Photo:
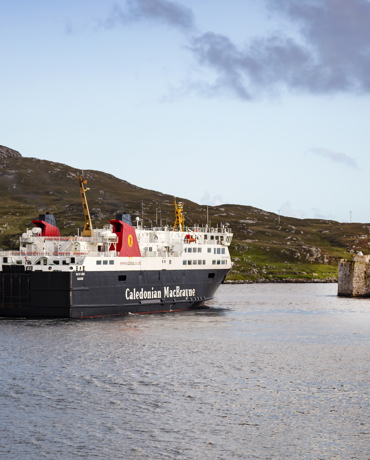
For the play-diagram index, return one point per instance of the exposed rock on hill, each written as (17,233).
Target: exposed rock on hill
(6,152)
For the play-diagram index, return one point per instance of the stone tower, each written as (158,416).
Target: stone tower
(354,277)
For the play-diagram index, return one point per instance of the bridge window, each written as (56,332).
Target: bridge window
(98,262)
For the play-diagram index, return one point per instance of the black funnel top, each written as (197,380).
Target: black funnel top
(48,218)
(124,217)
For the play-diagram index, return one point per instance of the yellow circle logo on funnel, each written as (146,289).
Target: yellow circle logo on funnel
(130,241)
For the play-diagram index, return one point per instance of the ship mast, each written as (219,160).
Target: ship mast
(88,230)
(180,218)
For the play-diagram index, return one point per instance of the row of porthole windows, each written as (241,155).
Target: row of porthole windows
(215,250)
(193,262)
(105,262)
(218,262)
(214,237)
(203,262)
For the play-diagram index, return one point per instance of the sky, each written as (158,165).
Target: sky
(255,102)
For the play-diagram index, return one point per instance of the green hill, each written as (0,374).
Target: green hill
(265,247)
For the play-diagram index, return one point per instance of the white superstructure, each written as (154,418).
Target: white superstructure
(160,248)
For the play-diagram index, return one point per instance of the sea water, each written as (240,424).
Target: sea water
(269,372)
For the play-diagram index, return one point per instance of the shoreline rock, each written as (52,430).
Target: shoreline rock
(282,281)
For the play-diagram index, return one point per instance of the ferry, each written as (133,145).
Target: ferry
(122,268)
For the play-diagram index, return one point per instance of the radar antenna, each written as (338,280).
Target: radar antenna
(88,230)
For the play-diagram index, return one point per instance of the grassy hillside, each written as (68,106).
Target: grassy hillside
(265,247)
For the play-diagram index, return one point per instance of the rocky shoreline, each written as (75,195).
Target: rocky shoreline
(282,281)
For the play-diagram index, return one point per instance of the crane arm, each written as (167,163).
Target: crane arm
(88,230)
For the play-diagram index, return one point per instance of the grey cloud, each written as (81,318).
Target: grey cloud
(170,13)
(332,53)
(327,52)
(336,157)
(262,63)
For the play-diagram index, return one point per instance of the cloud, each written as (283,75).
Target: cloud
(219,53)
(331,53)
(318,214)
(164,11)
(211,201)
(326,52)
(336,157)
(287,210)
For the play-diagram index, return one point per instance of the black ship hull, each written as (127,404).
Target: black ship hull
(60,294)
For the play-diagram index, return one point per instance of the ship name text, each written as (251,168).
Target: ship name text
(157,294)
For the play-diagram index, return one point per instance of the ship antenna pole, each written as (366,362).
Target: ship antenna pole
(88,229)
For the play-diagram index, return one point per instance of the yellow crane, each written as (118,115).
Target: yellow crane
(180,218)
(88,230)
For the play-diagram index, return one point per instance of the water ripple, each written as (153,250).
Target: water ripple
(269,372)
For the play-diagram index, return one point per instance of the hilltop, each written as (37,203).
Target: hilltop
(265,247)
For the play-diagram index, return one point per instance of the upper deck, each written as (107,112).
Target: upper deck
(200,235)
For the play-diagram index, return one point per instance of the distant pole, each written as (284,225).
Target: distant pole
(156,215)
(142,212)
(350,216)
(207,215)
(279,216)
